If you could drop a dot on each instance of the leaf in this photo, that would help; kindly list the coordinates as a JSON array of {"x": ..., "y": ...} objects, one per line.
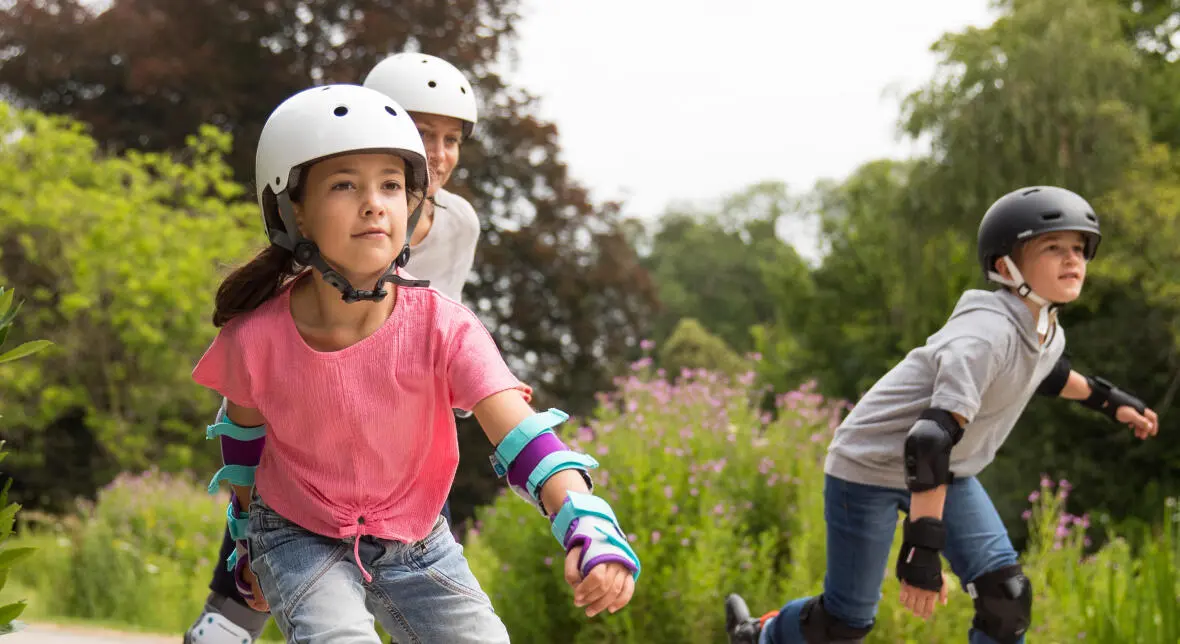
[
  {"x": 9, "y": 556},
  {"x": 25, "y": 349},
  {"x": 10, "y": 315},
  {"x": 6, "y": 296},
  {"x": 12, "y": 611}
]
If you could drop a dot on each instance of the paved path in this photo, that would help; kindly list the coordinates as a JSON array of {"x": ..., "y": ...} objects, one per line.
[{"x": 51, "y": 634}]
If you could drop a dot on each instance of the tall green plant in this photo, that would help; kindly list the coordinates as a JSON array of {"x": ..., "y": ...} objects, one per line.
[{"x": 9, "y": 556}]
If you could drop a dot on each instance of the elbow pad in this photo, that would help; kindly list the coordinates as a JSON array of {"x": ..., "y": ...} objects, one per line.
[
  {"x": 1056, "y": 379},
  {"x": 928, "y": 450}
]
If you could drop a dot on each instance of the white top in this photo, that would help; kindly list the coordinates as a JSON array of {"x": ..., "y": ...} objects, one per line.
[{"x": 446, "y": 254}]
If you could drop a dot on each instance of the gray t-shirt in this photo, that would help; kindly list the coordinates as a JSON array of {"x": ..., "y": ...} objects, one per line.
[
  {"x": 984, "y": 364},
  {"x": 446, "y": 254}
]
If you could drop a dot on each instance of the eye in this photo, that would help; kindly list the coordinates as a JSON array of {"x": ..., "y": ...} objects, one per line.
[
  {"x": 393, "y": 185},
  {"x": 342, "y": 185},
  {"x": 452, "y": 140}
]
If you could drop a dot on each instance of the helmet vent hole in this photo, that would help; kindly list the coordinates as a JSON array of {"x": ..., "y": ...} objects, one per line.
[
  {"x": 432, "y": 84},
  {"x": 390, "y": 110},
  {"x": 1050, "y": 216},
  {"x": 1091, "y": 217},
  {"x": 278, "y": 181},
  {"x": 463, "y": 89},
  {"x": 1029, "y": 192},
  {"x": 340, "y": 111}
]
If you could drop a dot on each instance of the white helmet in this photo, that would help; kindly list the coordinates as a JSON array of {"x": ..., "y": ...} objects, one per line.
[
  {"x": 426, "y": 84},
  {"x": 322, "y": 122}
]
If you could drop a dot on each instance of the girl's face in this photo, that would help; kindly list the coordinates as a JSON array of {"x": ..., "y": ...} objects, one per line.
[
  {"x": 1054, "y": 265},
  {"x": 441, "y": 136},
  {"x": 355, "y": 208}
]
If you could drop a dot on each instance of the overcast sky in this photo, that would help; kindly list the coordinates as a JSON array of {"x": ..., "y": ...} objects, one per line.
[{"x": 660, "y": 100}]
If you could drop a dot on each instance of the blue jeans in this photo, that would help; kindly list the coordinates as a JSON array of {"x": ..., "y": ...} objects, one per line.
[
  {"x": 422, "y": 592},
  {"x": 861, "y": 522}
]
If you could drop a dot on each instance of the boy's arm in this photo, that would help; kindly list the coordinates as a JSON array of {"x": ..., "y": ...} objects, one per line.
[
  {"x": 965, "y": 367},
  {"x": 1101, "y": 395}
]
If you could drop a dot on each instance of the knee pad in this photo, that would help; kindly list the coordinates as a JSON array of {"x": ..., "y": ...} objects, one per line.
[
  {"x": 1003, "y": 603},
  {"x": 820, "y": 627},
  {"x": 214, "y": 628}
]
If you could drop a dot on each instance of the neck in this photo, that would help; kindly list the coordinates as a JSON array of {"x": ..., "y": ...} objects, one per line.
[{"x": 333, "y": 312}]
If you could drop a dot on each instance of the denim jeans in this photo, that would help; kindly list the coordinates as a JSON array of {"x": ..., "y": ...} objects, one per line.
[
  {"x": 861, "y": 522},
  {"x": 422, "y": 592}
]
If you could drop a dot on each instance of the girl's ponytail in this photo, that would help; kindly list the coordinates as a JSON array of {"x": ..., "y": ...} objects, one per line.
[{"x": 250, "y": 285}]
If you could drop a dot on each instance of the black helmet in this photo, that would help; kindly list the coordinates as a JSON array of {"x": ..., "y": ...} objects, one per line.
[{"x": 1030, "y": 211}]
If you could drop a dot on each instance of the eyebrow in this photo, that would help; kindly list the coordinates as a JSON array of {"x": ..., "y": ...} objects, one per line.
[{"x": 350, "y": 170}]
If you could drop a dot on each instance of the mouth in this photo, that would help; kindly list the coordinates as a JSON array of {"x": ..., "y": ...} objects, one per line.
[
  {"x": 1071, "y": 276},
  {"x": 372, "y": 233}
]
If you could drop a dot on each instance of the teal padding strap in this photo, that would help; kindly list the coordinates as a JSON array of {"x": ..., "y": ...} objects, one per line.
[
  {"x": 231, "y": 561},
  {"x": 554, "y": 463},
  {"x": 238, "y": 522},
  {"x": 615, "y": 538},
  {"x": 242, "y": 475},
  {"x": 227, "y": 427},
  {"x": 579, "y": 504},
  {"x": 522, "y": 435}
]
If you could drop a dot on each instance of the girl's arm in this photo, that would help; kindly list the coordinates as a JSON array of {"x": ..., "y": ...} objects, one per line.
[{"x": 541, "y": 469}]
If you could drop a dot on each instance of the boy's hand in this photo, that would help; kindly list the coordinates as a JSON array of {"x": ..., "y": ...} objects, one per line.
[
  {"x": 609, "y": 586},
  {"x": 921, "y": 602},
  {"x": 1145, "y": 424}
]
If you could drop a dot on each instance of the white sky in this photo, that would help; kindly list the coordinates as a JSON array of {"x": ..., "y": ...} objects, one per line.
[{"x": 664, "y": 100}]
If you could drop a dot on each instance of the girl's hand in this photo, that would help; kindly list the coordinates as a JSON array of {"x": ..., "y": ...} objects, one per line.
[
  {"x": 609, "y": 586},
  {"x": 526, "y": 391},
  {"x": 259, "y": 602}
]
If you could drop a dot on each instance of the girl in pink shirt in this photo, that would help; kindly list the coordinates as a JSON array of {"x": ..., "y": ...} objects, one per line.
[{"x": 354, "y": 388}]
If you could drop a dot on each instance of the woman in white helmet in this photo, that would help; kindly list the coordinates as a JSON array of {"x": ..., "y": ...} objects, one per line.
[
  {"x": 443, "y": 106},
  {"x": 350, "y": 367}
]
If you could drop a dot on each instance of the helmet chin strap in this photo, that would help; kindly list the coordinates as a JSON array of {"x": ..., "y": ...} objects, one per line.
[
  {"x": 1048, "y": 309},
  {"x": 308, "y": 254}
]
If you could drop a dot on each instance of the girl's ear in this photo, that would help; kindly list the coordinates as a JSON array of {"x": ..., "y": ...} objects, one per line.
[{"x": 298, "y": 208}]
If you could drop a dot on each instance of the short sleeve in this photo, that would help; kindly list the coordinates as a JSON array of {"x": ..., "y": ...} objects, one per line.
[
  {"x": 474, "y": 367},
  {"x": 224, "y": 369},
  {"x": 964, "y": 369}
]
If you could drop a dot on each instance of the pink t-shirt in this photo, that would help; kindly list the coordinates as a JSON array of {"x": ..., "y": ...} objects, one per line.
[{"x": 360, "y": 441}]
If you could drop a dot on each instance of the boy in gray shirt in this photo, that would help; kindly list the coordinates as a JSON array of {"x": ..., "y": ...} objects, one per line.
[{"x": 916, "y": 441}]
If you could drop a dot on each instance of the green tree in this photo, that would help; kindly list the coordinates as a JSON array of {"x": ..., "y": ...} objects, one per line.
[
  {"x": 710, "y": 265},
  {"x": 121, "y": 257}
]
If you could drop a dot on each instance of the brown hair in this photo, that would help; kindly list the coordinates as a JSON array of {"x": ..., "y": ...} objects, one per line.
[{"x": 250, "y": 285}]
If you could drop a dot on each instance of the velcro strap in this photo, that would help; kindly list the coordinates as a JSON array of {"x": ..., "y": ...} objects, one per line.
[
  {"x": 238, "y": 522},
  {"x": 557, "y": 462},
  {"x": 926, "y": 532},
  {"x": 227, "y": 427},
  {"x": 242, "y": 475},
  {"x": 1107, "y": 398},
  {"x": 579, "y": 504},
  {"x": 522, "y": 435}
]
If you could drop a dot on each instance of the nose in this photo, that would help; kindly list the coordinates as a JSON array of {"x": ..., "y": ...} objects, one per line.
[
  {"x": 434, "y": 148},
  {"x": 372, "y": 205}
]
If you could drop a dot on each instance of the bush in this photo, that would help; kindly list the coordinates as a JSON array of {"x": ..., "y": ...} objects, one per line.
[
  {"x": 139, "y": 555},
  {"x": 718, "y": 498}
]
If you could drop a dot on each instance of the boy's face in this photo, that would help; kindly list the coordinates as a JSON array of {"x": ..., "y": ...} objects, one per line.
[{"x": 1053, "y": 264}]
